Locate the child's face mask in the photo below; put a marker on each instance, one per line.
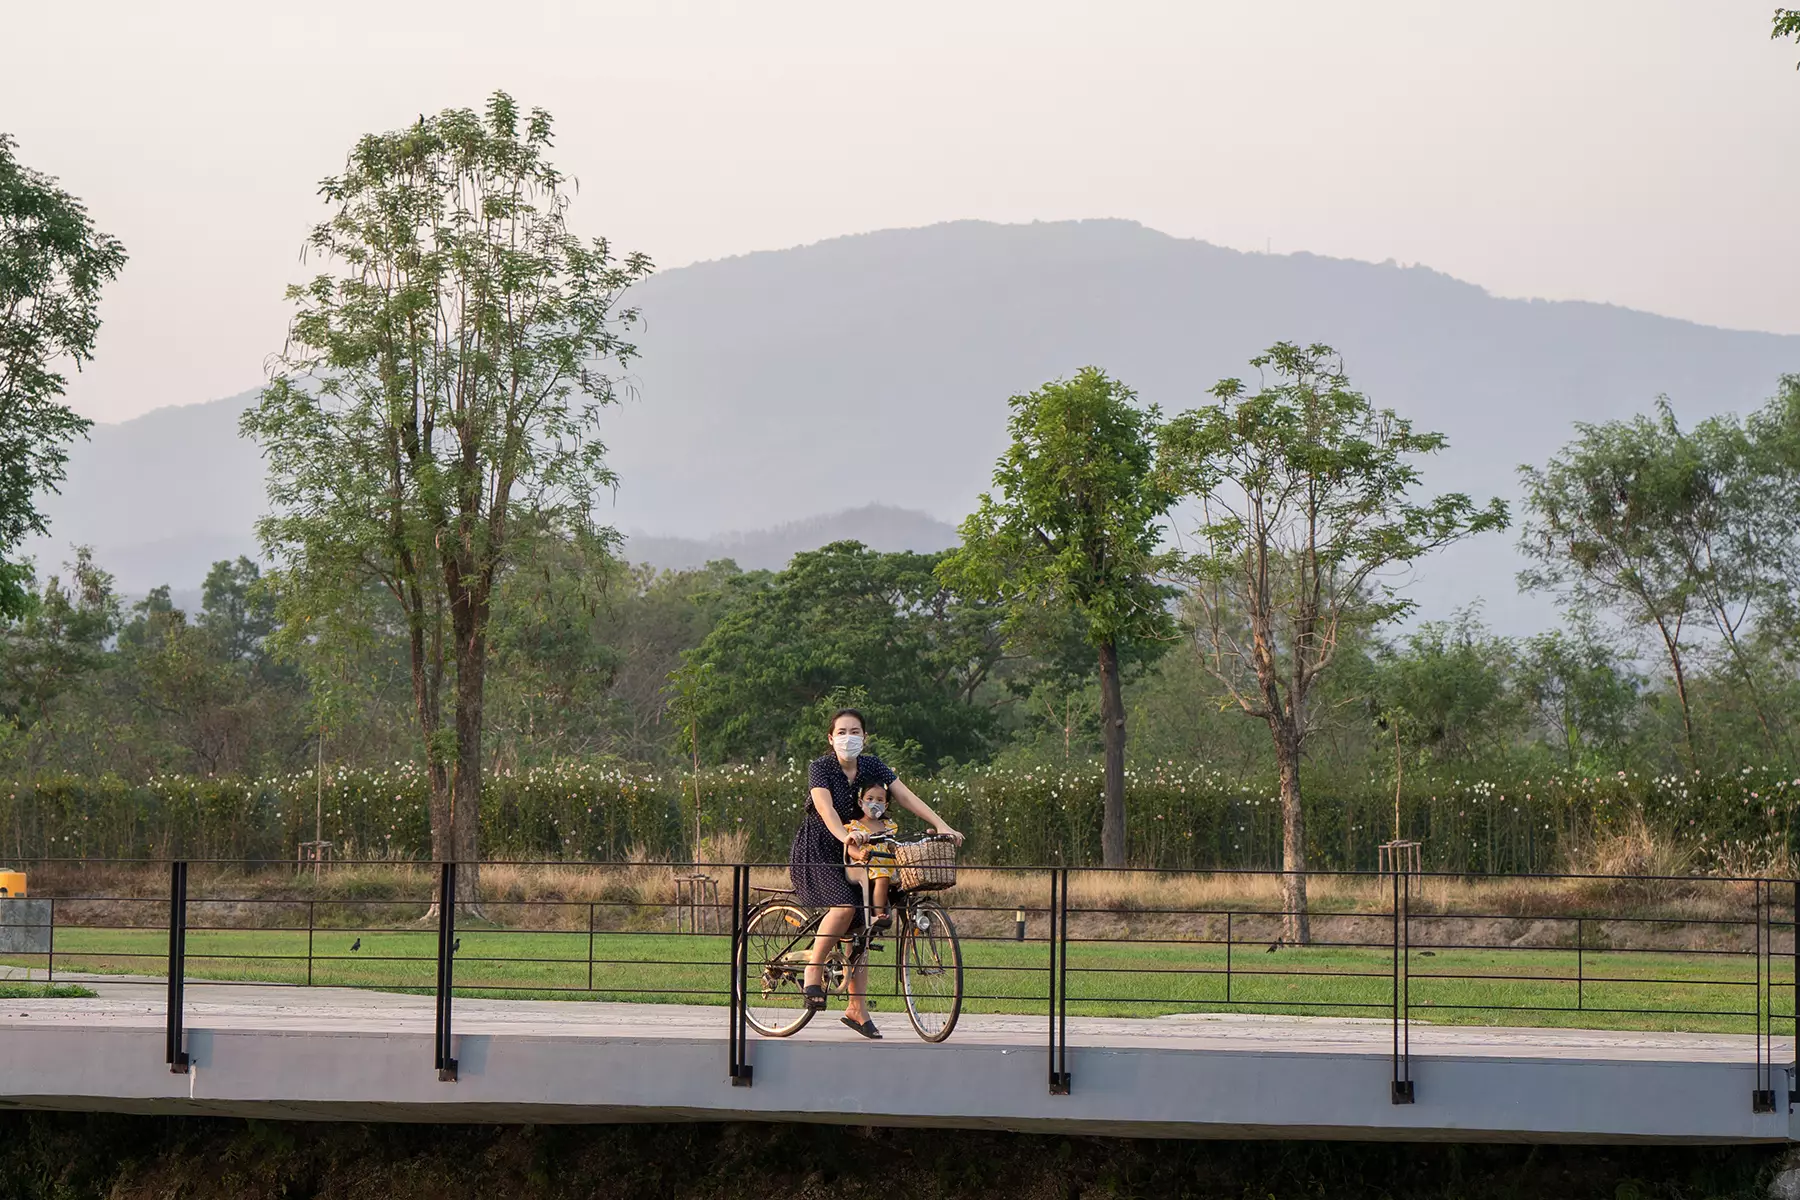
(876, 809)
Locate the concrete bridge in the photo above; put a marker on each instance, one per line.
(340, 1054)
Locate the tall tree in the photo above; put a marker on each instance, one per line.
(1304, 494)
(1074, 522)
(837, 618)
(436, 404)
(1610, 526)
(53, 263)
(1445, 691)
(1582, 691)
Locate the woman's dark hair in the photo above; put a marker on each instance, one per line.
(846, 712)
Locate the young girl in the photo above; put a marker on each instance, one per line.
(877, 859)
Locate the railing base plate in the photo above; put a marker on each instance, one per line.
(1060, 1083)
(1403, 1091)
(447, 1072)
(180, 1065)
(743, 1076)
(1762, 1101)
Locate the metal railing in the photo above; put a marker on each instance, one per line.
(1695, 954)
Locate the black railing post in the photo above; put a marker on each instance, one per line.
(176, 1053)
(1794, 954)
(1062, 993)
(738, 1034)
(1762, 1100)
(1402, 1092)
(1580, 968)
(309, 942)
(1050, 986)
(50, 964)
(1228, 957)
(445, 1060)
(1060, 1080)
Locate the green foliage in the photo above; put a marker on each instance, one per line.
(435, 409)
(1583, 694)
(1787, 24)
(53, 263)
(1069, 542)
(1304, 493)
(1074, 521)
(788, 646)
(1446, 690)
(1691, 534)
(60, 636)
(1508, 818)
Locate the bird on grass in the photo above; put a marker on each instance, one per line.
(456, 945)
(356, 945)
(1273, 947)
(1428, 954)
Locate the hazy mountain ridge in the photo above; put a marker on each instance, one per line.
(875, 369)
(877, 526)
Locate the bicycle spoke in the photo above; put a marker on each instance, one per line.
(776, 941)
(931, 972)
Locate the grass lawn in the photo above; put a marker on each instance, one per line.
(42, 991)
(1690, 991)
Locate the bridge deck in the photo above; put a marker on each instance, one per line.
(333, 1054)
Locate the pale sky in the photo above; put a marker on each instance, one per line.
(1640, 152)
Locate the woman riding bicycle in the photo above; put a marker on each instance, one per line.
(816, 861)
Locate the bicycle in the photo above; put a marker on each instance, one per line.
(777, 942)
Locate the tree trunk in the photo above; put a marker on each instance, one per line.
(1687, 720)
(467, 591)
(1112, 729)
(1296, 927)
(425, 704)
(465, 774)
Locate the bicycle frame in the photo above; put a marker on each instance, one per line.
(857, 943)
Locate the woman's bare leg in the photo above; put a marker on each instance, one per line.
(830, 929)
(856, 1008)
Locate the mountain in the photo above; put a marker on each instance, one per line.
(876, 526)
(875, 370)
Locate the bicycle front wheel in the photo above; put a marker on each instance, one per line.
(931, 971)
(771, 967)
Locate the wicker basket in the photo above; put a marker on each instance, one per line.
(926, 866)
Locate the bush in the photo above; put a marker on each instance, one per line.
(1181, 816)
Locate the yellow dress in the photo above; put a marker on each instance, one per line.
(881, 857)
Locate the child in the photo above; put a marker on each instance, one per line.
(877, 860)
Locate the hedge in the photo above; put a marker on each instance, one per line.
(1180, 815)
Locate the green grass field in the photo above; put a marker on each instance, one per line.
(1666, 990)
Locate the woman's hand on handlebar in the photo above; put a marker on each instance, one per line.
(944, 831)
(856, 838)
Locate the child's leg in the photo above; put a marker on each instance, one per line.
(881, 891)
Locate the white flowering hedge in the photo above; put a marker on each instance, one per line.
(1180, 816)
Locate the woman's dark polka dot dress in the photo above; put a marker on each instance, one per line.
(816, 860)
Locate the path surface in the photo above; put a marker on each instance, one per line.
(340, 1053)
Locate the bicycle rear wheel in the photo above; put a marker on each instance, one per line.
(771, 963)
(931, 971)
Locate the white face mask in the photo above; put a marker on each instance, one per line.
(847, 745)
(875, 809)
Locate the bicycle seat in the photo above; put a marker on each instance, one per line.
(773, 891)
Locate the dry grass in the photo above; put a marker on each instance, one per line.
(642, 893)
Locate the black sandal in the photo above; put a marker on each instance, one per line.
(815, 997)
(865, 1027)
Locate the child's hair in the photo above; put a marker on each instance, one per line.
(871, 790)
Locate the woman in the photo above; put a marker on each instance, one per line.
(816, 861)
